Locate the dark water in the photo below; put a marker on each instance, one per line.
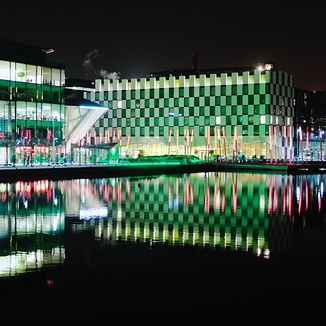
(198, 248)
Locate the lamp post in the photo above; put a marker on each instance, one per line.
(301, 145)
(53, 140)
(224, 143)
(321, 144)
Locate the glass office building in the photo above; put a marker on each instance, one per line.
(31, 103)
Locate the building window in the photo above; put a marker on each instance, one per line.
(218, 120)
(191, 111)
(191, 91)
(142, 112)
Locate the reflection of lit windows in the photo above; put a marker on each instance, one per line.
(262, 119)
(262, 203)
(90, 213)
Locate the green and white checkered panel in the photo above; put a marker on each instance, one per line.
(152, 107)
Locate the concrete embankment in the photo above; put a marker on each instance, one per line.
(73, 171)
(288, 168)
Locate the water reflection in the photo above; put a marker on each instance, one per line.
(253, 213)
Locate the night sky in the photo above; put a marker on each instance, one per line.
(133, 40)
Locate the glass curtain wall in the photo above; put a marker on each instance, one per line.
(31, 113)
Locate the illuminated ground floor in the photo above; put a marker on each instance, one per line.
(223, 149)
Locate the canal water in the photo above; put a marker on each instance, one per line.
(191, 248)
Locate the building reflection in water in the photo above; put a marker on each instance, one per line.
(254, 213)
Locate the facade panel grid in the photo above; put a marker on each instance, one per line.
(204, 101)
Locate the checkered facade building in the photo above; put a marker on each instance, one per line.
(254, 106)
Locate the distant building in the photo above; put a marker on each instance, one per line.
(310, 123)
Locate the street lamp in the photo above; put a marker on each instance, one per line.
(321, 144)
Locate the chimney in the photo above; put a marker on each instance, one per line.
(195, 62)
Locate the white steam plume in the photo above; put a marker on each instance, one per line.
(90, 65)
